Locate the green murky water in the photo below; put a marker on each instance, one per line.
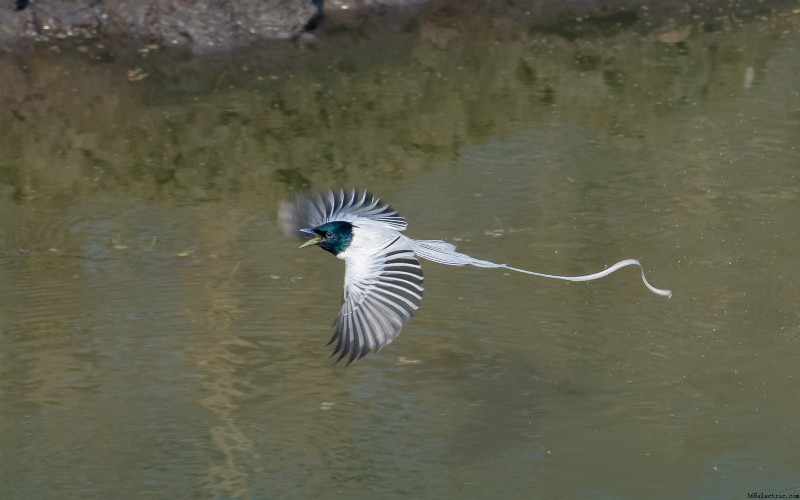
(160, 337)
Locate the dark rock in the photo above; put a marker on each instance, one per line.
(203, 25)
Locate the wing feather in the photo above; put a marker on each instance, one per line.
(312, 210)
(379, 297)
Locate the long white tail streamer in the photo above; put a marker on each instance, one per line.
(601, 274)
(445, 253)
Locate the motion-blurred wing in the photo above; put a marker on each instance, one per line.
(312, 210)
(381, 291)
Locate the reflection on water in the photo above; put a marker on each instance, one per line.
(158, 336)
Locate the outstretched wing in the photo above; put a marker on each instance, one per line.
(382, 288)
(312, 210)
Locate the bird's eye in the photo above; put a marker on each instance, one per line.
(328, 234)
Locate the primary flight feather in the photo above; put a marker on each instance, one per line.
(383, 277)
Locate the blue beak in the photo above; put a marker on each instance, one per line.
(313, 241)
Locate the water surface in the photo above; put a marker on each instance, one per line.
(160, 336)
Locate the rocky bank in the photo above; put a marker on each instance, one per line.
(219, 25)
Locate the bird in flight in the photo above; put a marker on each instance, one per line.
(383, 276)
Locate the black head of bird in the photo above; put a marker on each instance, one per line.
(335, 237)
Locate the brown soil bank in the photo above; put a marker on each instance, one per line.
(215, 25)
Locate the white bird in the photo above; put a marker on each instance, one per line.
(383, 278)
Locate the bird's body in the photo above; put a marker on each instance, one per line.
(383, 276)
